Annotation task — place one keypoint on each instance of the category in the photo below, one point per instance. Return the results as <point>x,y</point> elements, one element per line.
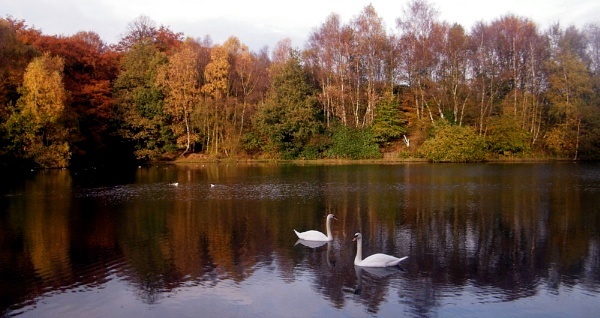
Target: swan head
<point>331,216</point>
<point>357,236</point>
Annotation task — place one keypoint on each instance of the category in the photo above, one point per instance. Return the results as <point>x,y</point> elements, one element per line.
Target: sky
<point>261,23</point>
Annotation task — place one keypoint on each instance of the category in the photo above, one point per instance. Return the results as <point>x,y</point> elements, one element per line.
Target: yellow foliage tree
<point>216,76</point>
<point>216,73</point>
<point>180,80</point>
<point>43,94</point>
<point>39,127</point>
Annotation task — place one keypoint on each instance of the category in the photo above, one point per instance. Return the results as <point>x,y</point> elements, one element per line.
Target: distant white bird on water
<point>375,260</point>
<point>313,235</point>
<point>174,184</point>
<point>212,185</point>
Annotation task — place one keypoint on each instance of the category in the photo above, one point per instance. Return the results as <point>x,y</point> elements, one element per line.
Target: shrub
<point>506,135</point>
<point>350,143</point>
<point>452,143</point>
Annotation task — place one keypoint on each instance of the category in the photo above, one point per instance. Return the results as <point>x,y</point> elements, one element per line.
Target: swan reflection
<point>380,272</point>
<point>375,275</point>
<point>315,244</point>
<point>311,244</point>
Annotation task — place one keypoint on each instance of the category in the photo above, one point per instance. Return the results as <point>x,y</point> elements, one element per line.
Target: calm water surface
<point>500,240</point>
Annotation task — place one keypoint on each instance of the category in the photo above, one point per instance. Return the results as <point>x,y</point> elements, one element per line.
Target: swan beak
<point>354,239</point>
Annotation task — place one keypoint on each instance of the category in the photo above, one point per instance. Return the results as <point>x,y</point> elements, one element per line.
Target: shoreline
<point>206,160</point>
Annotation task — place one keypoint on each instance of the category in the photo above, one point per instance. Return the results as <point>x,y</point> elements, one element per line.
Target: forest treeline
<point>427,89</point>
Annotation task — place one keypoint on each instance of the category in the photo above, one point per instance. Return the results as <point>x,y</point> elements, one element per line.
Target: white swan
<point>375,260</point>
<point>313,235</point>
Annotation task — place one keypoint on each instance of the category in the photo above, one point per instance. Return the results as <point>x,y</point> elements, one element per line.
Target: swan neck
<point>358,257</point>
<point>328,225</point>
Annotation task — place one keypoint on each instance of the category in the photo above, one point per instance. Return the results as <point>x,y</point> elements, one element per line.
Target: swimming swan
<point>375,260</point>
<point>313,235</point>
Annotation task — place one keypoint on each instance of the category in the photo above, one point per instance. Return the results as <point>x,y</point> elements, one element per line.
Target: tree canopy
<point>426,88</point>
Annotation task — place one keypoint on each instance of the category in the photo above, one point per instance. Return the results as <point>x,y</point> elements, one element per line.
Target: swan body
<point>313,235</point>
<point>375,260</point>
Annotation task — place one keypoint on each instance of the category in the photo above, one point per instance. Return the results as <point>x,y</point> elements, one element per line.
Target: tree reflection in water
<point>474,233</point>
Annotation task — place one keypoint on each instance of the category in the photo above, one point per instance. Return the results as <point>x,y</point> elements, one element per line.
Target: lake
<point>500,240</point>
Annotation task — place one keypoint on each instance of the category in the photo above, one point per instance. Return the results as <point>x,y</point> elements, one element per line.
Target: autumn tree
<point>89,68</point>
<point>532,109</point>
<point>569,91</point>
<point>144,29</point>
<point>453,81</point>
<point>508,83</point>
<point>420,36</point>
<point>485,83</point>
<point>371,45</point>
<point>327,57</point>
<point>245,81</point>
<point>213,113</point>
<point>40,128</point>
<point>520,51</point>
<point>351,64</point>
<point>281,54</point>
<point>592,34</point>
<point>240,84</point>
<point>590,147</point>
<point>14,58</point>
<point>180,82</point>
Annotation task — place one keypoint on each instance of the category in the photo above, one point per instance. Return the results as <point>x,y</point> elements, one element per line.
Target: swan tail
<point>397,261</point>
<point>297,234</point>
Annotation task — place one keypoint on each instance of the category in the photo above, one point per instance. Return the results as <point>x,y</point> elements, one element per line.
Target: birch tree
<point>418,42</point>
<point>329,56</point>
<point>371,51</point>
<point>455,72</point>
<point>485,82</point>
<point>216,79</point>
<point>247,73</point>
<point>180,80</point>
<point>569,91</point>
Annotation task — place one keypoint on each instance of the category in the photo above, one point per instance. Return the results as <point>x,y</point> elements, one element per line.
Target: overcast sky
<point>262,23</point>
